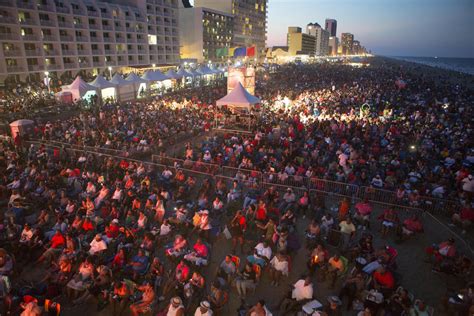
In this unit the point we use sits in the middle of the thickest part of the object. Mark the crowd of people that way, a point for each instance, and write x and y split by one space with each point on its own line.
135 238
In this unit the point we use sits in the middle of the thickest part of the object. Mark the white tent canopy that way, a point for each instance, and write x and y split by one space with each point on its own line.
238 98
174 75
119 81
22 122
125 89
107 89
154 75
133 78
102 83
79 88
184 73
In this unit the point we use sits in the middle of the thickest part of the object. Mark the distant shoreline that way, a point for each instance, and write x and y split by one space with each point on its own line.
440 75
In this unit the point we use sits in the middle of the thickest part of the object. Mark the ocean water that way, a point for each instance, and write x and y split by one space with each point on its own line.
465 65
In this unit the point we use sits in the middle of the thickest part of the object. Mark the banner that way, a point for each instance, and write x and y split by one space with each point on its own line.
244 75
222 52
232 51
240 52
251 51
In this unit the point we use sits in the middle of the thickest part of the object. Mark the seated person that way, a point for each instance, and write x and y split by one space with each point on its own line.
98 245
383 281
147 298
227 268
245 280
262 254
199 254
278 266
336 266
301 294
139 263
411 226
178 248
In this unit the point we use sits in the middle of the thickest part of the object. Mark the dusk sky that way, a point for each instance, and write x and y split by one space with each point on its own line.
443 28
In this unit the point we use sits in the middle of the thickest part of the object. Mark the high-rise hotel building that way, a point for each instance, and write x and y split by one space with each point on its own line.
64 37
249 23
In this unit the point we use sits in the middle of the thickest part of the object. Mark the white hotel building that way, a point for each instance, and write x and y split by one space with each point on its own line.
64 37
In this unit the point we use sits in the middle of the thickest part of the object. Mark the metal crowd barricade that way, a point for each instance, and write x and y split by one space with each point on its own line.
247 176
110 151
293 181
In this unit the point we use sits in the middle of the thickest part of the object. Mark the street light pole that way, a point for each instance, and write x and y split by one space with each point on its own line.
110 71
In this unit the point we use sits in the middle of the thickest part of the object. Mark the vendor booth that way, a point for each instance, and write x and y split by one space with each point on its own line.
187 76
125 89
80 89
139 84
64 97
157 80
242 104
106 88
21 128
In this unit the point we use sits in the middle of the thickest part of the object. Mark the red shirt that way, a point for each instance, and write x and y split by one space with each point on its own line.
113 231
467 213
386 280
261 214
57 241
87 225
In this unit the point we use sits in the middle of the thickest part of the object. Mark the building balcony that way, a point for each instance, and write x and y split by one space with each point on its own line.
7 3
130 30
62 10
48 23
122 62
109 52
46 7
26 4
96 39
84 64
80 26
68 52
30 37
119 28
11 52
9 20
52 67
28 22
51 52
82 52
109 40
15 68
70 65
50 38
66 38
97 64
97 52
110 63
106 15
79 12
94 27
107 27
33 52
35 67
120 40
93 13
65 24
82 39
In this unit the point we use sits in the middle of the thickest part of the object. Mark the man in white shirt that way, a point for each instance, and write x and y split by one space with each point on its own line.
301 294
97 245
262 254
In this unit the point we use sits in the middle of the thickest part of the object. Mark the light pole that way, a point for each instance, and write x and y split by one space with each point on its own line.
153 65
46 74
110 71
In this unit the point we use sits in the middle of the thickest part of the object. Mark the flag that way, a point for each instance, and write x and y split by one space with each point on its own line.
232 51
222 52
251 51
240 51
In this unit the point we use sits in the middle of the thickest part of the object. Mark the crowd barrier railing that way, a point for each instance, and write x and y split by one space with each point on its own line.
249 177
